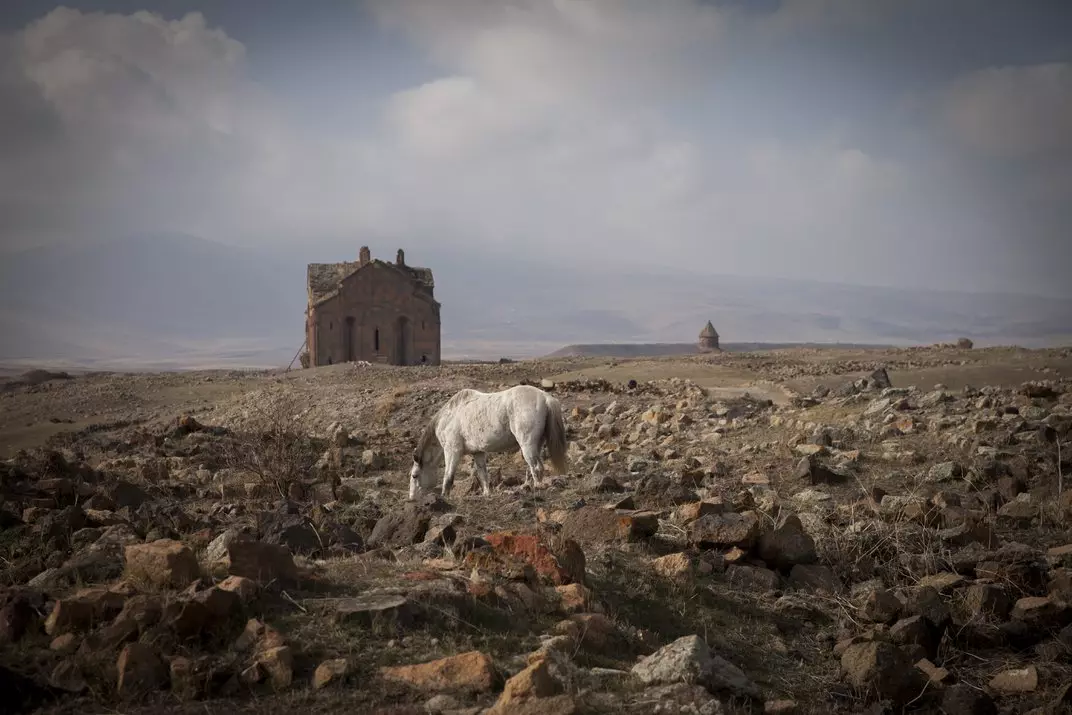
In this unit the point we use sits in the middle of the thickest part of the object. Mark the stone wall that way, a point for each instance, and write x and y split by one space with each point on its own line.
378 316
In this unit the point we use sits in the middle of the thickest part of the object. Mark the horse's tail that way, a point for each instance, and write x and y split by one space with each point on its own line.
555 435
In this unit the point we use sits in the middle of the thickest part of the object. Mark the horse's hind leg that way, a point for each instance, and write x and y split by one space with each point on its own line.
480 461
531 452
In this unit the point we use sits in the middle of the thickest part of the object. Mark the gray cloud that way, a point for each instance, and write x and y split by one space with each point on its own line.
592 132
1013 112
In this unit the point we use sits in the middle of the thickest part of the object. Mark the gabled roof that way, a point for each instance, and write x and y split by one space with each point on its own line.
709 331
324 279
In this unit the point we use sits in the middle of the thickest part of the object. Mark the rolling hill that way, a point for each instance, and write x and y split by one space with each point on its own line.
174 300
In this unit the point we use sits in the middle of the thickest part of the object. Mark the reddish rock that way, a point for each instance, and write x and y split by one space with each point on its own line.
467 672
637 526
730 529
140 671
532 687
673 566
1017 680
260 561
330 671
278 663
162 563
881 606
688 513
70 615
573 598
883 671
513 555
244 588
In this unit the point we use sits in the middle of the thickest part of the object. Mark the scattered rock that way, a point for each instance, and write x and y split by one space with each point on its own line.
882 670
245 588
260 562
787 545
162 563
689 660
140 671
330 671
881 606
375 611
674 566
278 663
724 530
511 554
467 672
963 699
532 683
811 471
1016 680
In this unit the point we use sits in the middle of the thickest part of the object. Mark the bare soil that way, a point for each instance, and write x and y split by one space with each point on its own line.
218 451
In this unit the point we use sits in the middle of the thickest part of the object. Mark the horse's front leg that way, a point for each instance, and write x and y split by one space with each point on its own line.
449 467
480 461
414 480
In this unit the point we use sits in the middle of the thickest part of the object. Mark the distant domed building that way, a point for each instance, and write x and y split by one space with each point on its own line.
709 338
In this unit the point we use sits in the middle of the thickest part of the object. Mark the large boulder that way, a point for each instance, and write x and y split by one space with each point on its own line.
689 660
788 545
726 530
162 563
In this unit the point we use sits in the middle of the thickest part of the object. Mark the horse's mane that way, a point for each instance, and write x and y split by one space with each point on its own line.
427 437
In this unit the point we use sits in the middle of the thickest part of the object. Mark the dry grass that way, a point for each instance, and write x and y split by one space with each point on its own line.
273 445
386 405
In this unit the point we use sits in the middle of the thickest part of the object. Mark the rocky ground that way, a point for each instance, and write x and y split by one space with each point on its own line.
784 532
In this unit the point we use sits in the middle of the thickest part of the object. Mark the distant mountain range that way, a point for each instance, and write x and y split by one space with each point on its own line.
168 300
637 350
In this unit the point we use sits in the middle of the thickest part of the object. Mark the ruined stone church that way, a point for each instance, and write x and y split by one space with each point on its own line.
371 310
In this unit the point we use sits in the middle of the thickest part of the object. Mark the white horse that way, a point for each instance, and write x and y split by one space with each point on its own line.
476 423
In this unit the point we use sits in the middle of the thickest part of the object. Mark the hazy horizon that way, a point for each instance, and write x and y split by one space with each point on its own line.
832 169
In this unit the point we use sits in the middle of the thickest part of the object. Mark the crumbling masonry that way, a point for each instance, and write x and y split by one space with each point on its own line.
371 310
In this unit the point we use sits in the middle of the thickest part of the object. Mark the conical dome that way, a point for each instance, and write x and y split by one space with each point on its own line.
709 331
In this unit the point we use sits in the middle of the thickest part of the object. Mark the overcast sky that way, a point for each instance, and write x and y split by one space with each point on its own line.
923 143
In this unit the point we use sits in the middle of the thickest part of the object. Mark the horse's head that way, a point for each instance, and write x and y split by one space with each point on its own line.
417 470
423 461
